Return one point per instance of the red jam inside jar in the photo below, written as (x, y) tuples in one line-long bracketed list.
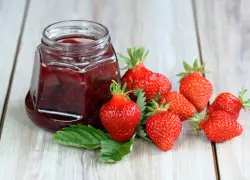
[(73, 68)]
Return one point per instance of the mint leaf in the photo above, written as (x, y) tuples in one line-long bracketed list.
[(81, 136), (148, 108), (140, 101), (140, 131), (112, 151)]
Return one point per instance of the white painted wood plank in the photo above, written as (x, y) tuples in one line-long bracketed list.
[(166, 27), (11, 15), (224, 31)]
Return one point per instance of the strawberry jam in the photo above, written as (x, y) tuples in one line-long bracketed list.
[(74, 66)]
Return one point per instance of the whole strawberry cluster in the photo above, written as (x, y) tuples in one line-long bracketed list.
[(165, 109)]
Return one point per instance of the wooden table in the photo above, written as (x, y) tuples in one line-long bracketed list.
[(215, 31)]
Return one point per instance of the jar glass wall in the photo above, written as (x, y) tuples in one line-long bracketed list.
[(73, 68)]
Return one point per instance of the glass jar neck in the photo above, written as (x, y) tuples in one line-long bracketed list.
[(76, 37)]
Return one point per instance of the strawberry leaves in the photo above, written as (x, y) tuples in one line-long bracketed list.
[(148, 110), (136, 56), (245, 102), (196, 68), (196, 120)]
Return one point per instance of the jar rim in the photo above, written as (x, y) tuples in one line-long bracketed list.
[(55, 44)]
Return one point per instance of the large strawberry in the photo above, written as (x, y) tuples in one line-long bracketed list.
[(120, 115), (219, 126), (179, 105), (139, 77), (230, 103), (194, 86), (163, 127)]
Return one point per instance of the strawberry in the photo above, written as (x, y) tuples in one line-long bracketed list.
[(219, 126), (179, 105), (71, 41), (163, 127), (231, 104), (194, 86), (120, 115), (139, 77)]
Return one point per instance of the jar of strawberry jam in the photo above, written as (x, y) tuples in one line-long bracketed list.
[(73, 68)]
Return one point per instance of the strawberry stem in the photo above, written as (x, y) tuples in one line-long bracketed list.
[(196, 120), (118, 89), (245, 102), (136, 56), (154, 107), (192, 69)]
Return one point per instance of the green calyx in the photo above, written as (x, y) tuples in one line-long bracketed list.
[(196, 120), (136, 56), (155, 107), (245, 102), (118, 89), (196, 68)]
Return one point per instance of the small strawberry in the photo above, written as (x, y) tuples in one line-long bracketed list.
[(219, 126), (120, 115), (231, 104), (194, 86), (179, 105), (139, 77), (163, 127)]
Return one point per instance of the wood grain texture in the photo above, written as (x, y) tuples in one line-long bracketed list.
[(224, 33), (167, 28), (11, 16)]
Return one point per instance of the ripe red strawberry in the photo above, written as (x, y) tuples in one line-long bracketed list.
[(163, 127), (179, 105), (219, 126), (139, 77), (194, 86), (120, 115), (229, 103)]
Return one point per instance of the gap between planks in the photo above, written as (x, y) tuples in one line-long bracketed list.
[(213, 145), (6, 100)]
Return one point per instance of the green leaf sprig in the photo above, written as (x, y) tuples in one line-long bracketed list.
[(90, 138), (81, 136), (141, 102), (113, 151)]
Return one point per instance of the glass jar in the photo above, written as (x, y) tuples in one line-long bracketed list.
[(74, 66)]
